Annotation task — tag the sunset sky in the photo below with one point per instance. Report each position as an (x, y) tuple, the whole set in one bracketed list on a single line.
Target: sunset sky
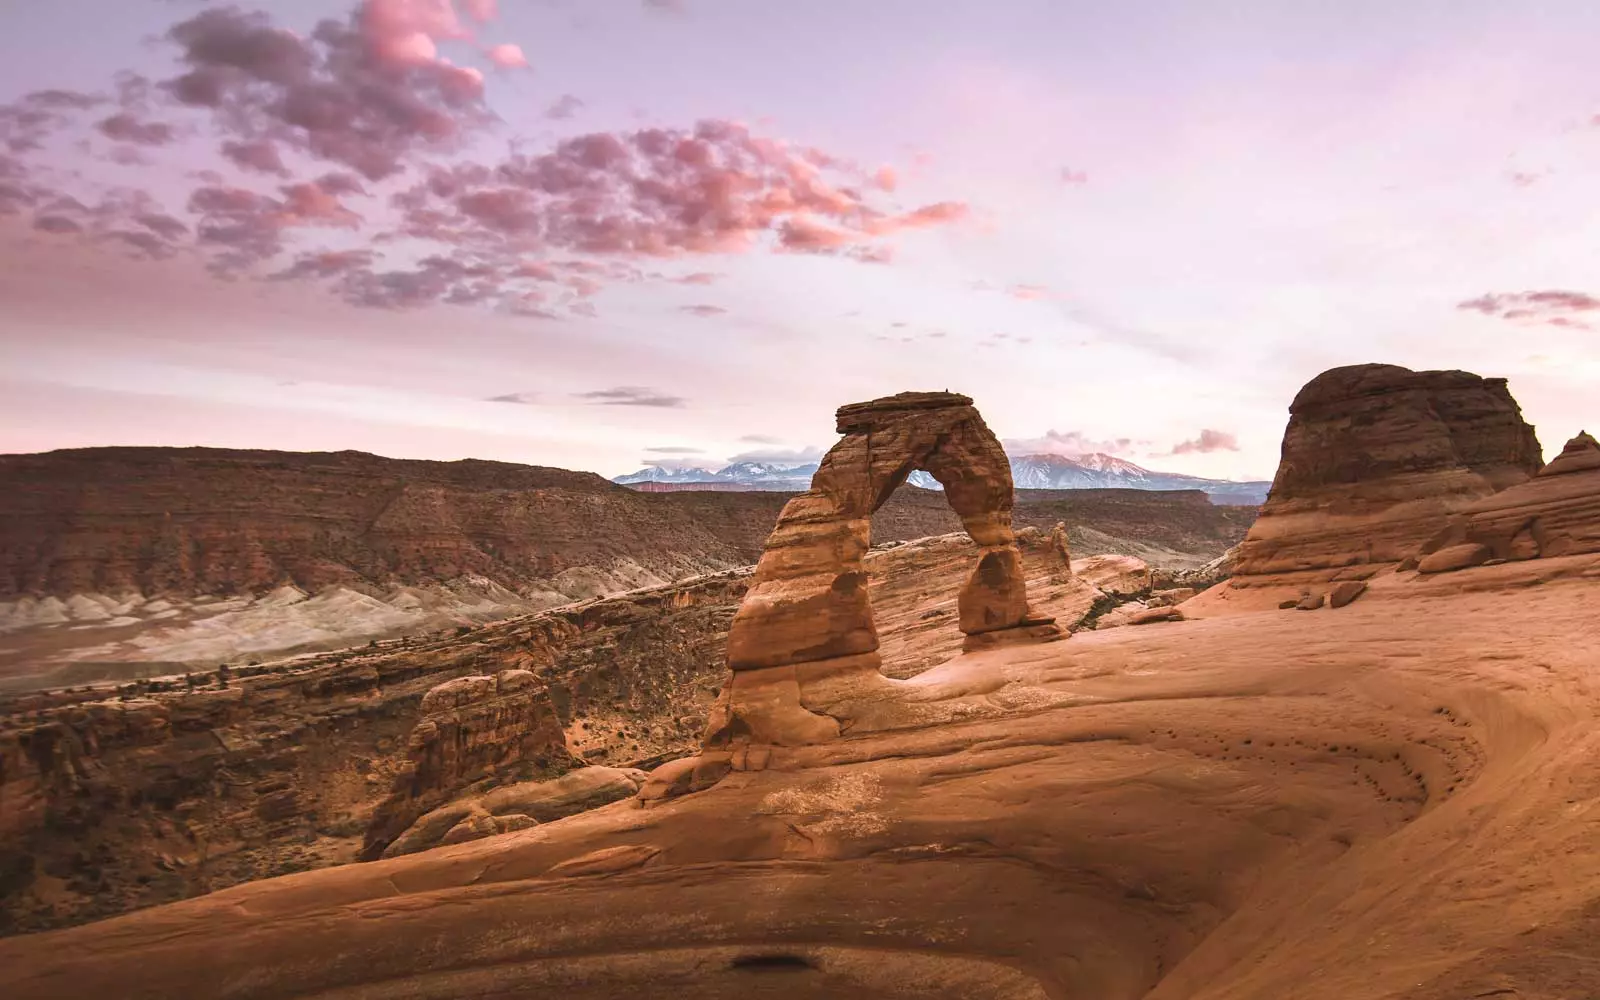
[(597, 234)]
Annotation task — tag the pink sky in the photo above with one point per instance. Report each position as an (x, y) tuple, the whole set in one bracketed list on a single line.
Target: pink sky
[(599, 234)]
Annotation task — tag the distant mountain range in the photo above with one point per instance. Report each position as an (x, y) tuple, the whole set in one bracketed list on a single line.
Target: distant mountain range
[(1028, 472)]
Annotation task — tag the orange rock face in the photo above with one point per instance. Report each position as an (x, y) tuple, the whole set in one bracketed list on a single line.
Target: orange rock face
[(1375, 458), (808, 606), (1556, 513)]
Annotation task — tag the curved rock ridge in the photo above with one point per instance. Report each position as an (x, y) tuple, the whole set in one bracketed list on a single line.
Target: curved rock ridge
[(1393, 800), (806, 622), (1375, 458)]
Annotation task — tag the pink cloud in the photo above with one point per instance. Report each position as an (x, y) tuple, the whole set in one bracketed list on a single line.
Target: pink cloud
[(1208, 441), (367, 94), (703, 310), (1551, 307), (1074, 177), (507, 56)]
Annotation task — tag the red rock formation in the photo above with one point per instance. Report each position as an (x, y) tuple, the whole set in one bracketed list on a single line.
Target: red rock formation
[(807, 615), (1556, 513), (188, 521), (472, 728), (1375, 457)]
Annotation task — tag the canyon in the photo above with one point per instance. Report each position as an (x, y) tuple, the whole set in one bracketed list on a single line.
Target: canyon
[(1349, 757), (119, 563)]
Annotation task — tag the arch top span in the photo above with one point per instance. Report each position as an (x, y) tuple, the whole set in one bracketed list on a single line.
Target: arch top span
[(809, 600)]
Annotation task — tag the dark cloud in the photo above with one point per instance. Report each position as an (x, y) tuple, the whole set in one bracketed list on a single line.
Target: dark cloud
[(525, 398), (633, 395), (1553, 308), (124, 127), (257, 155), (367, 93), (1206, 442), (564, 107), (27, 122)]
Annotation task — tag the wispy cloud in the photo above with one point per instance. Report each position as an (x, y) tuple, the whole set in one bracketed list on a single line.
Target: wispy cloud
[(675, 450), (526, 398), (1551, 307), (1069, 444), (633, 395), (700, 309)]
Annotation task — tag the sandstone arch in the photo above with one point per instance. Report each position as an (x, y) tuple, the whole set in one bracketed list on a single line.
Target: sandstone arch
[(805, 627)]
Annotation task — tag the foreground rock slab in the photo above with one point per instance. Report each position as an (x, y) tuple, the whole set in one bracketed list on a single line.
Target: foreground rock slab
[(1387, 801)]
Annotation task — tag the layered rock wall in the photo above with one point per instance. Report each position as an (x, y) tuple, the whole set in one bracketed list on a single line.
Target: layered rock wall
[(500, 728), (1375, 458)]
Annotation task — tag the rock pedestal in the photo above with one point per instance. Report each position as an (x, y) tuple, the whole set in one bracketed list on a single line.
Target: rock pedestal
[(804, 639)]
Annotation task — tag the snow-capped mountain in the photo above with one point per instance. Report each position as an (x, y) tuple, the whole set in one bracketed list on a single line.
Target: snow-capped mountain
[(751, 475), (1028, 472)]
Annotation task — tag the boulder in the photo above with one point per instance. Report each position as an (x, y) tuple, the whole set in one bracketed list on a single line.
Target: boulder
[(1346, 591), (1454, 557), (1310, 602), (1375, 458)]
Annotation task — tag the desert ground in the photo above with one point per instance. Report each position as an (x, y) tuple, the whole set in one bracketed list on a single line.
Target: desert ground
[(1390, 799)]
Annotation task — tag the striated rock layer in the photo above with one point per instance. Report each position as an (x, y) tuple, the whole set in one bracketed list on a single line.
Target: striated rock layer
[(1556, 513), (1375, 458), (807, 617), (473, 728)]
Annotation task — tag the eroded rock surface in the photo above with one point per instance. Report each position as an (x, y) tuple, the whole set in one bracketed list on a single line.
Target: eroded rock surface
[(1375, 458), (499, 728), (1325, 806), (1556, 513)]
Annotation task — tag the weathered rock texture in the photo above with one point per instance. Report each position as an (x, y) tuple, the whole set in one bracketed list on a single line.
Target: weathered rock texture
[(499, 728), (1393, 800), (1375, 458), (107, 806), (808, 605), (1556, 513), (516, 806)]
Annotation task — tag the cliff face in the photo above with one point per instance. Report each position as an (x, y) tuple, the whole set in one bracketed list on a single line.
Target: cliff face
[(119, 563), (187, 521), (1375, 457)]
